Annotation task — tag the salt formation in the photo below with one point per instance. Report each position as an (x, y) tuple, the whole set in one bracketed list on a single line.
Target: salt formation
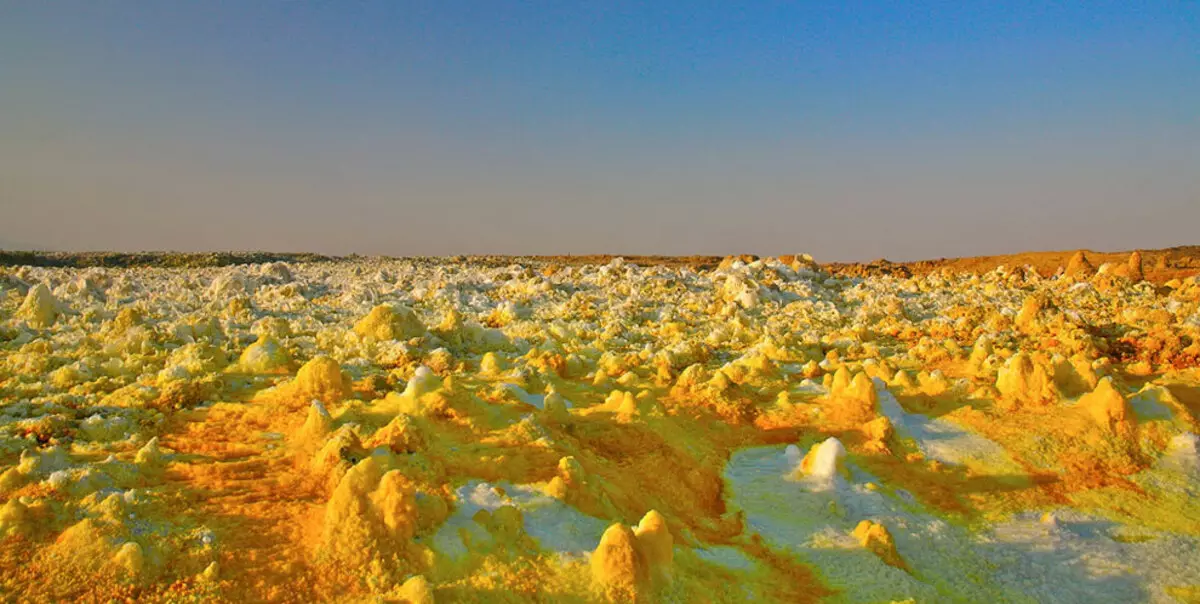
[(318, 424), (628, 563), (879, 433), (1023, 382), (321, 378), (372, 515), (1108, 408), (573, 485), (265, 355), (853, 399), (389, 322), (824, 461), (379, 429), (40, 308), (875, 537), (1079, 265)]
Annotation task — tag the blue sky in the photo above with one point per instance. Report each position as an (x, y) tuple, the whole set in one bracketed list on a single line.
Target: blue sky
[(846, 130)]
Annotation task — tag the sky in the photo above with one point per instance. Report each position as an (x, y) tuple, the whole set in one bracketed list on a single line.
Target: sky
[(847, 130)]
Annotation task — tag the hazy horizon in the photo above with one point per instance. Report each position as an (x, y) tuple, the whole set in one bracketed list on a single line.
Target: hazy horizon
[(847, 132)]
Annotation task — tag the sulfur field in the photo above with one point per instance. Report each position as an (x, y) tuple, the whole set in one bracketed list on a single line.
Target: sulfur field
[(568, 430)]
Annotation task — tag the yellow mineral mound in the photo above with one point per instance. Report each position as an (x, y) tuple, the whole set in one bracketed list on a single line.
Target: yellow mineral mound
[(401, 435), (619, 568), (801, 261), (491, 365), (130, 559), (1028, 319), (151, 460), (933, 383), (1108, 408), (811, 370), (265, 355), (388, 322), (14, 518), (903, 380), (570, 478), (321, 378), (690, 379), (40, 308), (875, 537), (628, 563), (657, 545), (423, 381), (372, 515), (1075, 376), (85, 545), (622, 403), (573, 485), (825, 460), (416, 590), (318, 424), (1021, 381), (554, 405), (126, 319), (852, 399), (1133, 269), (1078, 266), (396, 503), (980, 352), (879, 432), (338, 455)]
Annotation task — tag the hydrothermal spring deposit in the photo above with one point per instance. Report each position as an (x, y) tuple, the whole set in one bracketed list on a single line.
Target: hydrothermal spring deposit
[(448, 430)]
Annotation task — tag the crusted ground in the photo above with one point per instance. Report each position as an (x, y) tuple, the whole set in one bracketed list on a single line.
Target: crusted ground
[(597, 428)]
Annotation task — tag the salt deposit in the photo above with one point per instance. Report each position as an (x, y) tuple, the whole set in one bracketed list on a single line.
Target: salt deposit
[(447, 430)]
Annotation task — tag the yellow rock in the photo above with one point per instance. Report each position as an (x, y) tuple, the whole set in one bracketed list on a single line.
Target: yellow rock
[(1021, 380), (416, 590), (14, 518), (619, 568), (1133, 269), (903, 380), (1027, 319), (423, 381), (1108, 408), (388, 322), (396, 503), (322, 378), (824, 460), (401, 435), (371, 516), (979, 354), (852, 400), (318, 424), (150, 457), (933, 384), (130, 558), (210, 573), (811, 370), (1075, 376), (265, 355), (878, 430), (1078, 266), (656, 543), (84, 543), (39, 309), (841, 381), (491, 365), (875, 537)]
